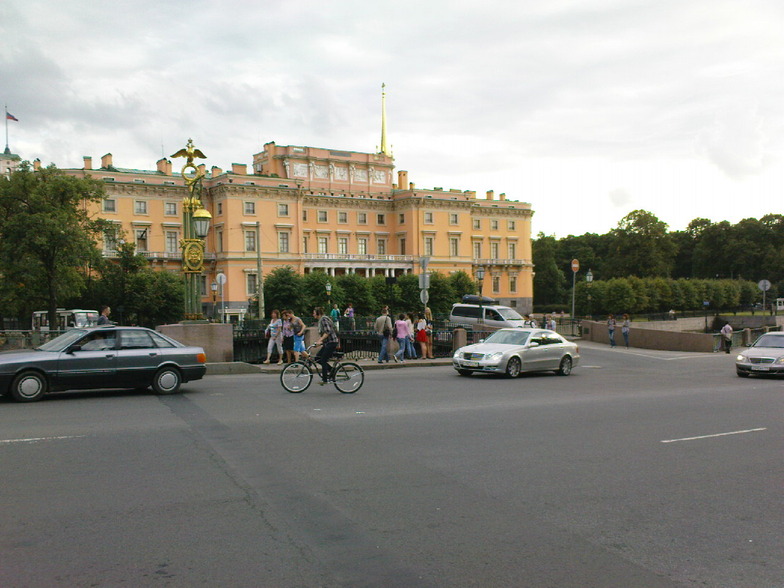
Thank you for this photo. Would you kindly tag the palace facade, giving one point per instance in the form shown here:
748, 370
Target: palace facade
322, 210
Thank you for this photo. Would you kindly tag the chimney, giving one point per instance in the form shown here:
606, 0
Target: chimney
106, 160
164, 166
240, 169
216, 171
402, 179
411, 186
202, 169
489, 194
502, 196
37, 164
88, 162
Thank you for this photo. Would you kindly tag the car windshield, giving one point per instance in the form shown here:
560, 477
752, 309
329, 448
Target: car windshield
770, 341
508, 337
509, 314
63, 341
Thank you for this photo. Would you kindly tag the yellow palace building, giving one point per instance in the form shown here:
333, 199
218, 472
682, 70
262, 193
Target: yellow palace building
324, 210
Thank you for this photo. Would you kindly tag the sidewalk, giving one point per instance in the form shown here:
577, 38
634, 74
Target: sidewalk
238, 367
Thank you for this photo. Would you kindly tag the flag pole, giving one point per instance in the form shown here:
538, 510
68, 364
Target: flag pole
6, 127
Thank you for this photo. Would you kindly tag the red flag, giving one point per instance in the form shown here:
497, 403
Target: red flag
10, 116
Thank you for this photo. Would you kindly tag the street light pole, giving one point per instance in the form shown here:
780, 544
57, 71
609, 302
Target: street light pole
480, 276
329, 297
195, 226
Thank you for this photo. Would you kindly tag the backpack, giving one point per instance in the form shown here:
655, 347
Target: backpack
387, 328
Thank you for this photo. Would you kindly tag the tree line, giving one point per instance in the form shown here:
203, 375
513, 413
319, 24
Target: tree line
722, 261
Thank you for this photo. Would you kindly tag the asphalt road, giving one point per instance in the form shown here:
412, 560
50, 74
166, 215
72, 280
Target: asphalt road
642, 468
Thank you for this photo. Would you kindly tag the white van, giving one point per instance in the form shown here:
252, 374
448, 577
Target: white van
494, 315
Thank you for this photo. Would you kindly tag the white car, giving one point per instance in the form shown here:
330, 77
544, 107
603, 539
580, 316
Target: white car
513, 351
765, 356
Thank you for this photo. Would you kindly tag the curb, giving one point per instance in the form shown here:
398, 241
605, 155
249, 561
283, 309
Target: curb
239, 367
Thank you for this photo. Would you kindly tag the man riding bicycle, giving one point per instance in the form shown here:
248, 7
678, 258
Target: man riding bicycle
328, 339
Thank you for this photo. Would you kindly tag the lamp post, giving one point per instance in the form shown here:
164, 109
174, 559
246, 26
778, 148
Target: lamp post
589, 279
480, 277
329, 297
214, 288
195, 226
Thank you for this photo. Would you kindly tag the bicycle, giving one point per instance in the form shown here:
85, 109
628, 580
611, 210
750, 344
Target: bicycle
347, 376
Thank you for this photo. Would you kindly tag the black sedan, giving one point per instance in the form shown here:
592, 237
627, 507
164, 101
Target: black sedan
100, 357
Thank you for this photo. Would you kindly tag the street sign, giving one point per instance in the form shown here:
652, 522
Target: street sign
763, 285
221, 278
575, 265
424, 281
424, 296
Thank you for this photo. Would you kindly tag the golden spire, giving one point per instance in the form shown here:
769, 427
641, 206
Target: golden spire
384, 147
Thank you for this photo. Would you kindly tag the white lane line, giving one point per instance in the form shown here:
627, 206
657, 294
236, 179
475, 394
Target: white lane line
36, 439
715, 435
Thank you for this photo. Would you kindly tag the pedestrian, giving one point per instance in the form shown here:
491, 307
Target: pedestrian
611, 329
401, 334
383, 327
328, 339
429, 319
549, 322
625, 329
349, 314
410, 348
528, 321
103, 319
726, 335
421, 336
288, 335
334, 314
274, 333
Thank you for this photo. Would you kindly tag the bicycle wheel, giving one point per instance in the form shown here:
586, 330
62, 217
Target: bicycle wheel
349, 377
296, 377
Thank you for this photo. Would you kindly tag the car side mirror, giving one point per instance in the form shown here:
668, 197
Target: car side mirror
481, 340
74, 348
533, 344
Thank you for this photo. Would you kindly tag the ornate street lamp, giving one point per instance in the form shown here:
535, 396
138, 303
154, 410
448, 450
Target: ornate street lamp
480, 276
589, 279
195, 226
329, 297
214, 288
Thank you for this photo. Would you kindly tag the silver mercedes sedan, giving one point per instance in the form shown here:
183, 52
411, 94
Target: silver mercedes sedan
765, 356
513, 351
100, 357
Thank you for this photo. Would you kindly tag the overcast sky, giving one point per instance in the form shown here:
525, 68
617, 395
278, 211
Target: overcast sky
587, 109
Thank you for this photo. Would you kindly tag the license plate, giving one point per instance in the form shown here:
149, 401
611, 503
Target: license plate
760, 368
471, 363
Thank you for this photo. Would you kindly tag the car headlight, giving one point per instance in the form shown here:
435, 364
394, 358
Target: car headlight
741, 357
780, 360
494, 356
457, 354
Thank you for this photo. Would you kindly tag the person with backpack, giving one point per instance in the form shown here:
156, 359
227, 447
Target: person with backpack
383, 327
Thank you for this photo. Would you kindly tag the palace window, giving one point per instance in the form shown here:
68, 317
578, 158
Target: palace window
322, 216
250, 240
402, 245
510, 225
250, 208
401, 218
323, 245
251, 286
170, 208
452, 218
283, 209
343, 245
140, 207
428, 218
110, 205
454, 246
362, 218
283, 242
172, 242
477, 224
513, 283
429, 246
342, 218
496, 284
141, 239
494, 250
477, 249
220, 208
381, 219
362, 246
381, 246
512, 250
493, 225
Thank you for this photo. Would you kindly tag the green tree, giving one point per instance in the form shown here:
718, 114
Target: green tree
461, 284
47, 236
442, 295
356, 290
641, 246
549, 281
283, 289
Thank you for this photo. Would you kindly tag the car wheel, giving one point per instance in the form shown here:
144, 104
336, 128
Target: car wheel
167, 381
29, 386
465, 372
742, 374
513, 367
566, 367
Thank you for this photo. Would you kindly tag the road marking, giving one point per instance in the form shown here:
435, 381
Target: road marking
716, 435
36, 439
